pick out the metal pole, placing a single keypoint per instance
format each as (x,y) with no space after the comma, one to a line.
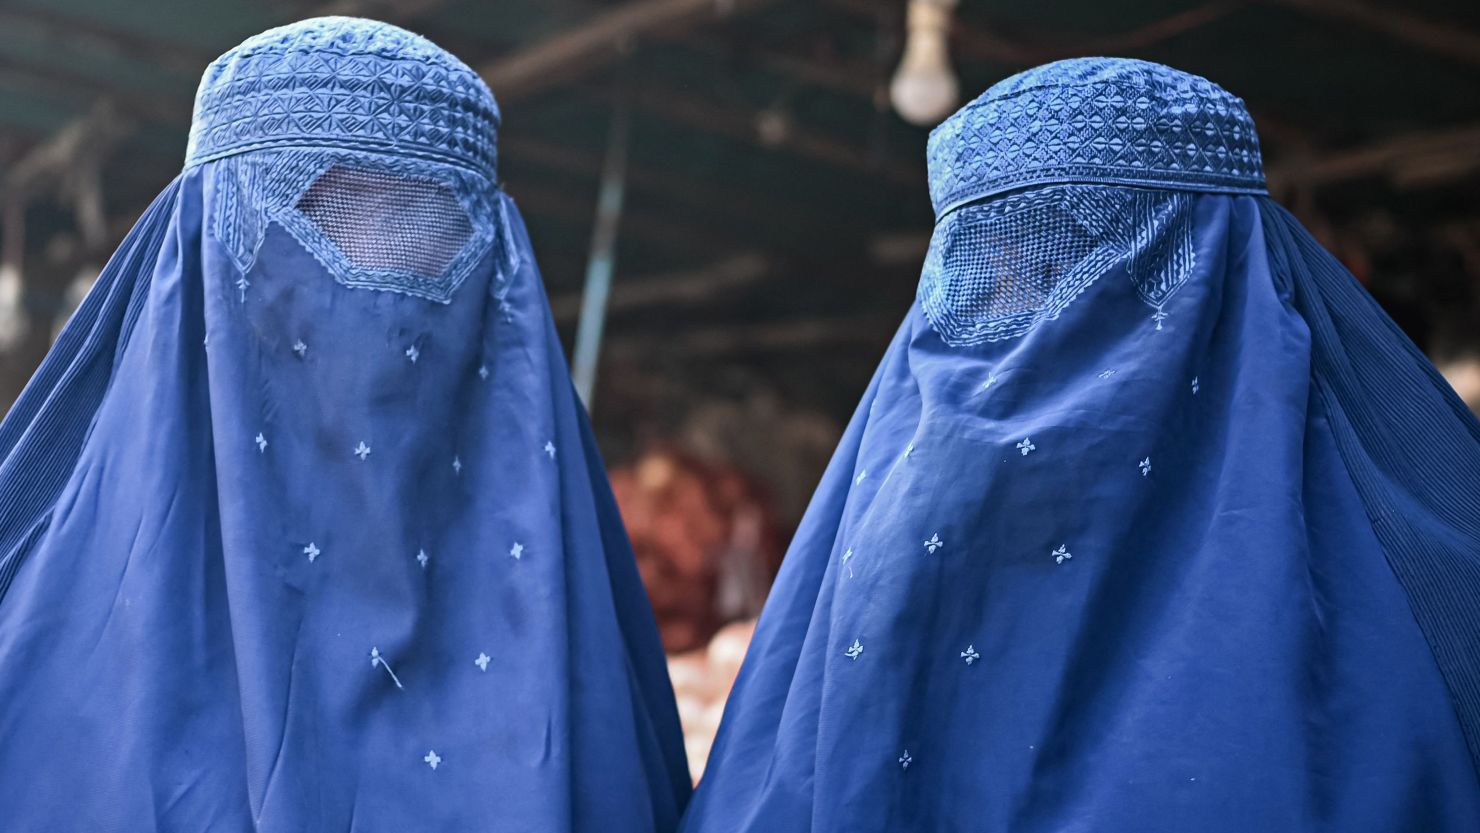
(603,261)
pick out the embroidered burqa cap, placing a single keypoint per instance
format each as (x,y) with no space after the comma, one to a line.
(1149,520)
(302,527)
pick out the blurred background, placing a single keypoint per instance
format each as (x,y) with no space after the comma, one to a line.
(727,199)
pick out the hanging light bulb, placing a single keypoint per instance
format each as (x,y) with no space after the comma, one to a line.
(924,88)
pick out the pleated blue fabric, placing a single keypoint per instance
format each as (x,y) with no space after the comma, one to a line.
(302,527)
(1150,519)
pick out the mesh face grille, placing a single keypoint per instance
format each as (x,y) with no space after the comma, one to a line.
(1006,264)
(995,269)
(383,221)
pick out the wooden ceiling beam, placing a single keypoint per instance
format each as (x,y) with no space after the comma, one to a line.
(581,50)
(80,35)
(1441,38)
(84,91)
(1017,48)
(676,188)
(390,11)
(702,284)
(703,114)
(1410,160)
(580,210)
(1012,45)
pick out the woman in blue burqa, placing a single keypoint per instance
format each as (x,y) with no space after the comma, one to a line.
(302,527)
(1150,519)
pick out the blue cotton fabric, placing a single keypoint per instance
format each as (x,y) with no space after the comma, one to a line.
(322,543)
(1167,530)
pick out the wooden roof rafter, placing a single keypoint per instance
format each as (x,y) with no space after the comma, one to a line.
(575,53)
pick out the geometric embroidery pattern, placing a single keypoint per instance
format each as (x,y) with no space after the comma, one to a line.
(1107,120)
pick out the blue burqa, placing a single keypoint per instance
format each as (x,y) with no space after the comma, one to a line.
(301,525)
(1149,522)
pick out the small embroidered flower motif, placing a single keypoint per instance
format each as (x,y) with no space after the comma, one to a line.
(413,353)
(482,661)
(362,451)
(300,348)
(1194,386)
(261,442)
(1106,374)
(311,551)
(432,759)
(456,465)
(847,556)
(1061,554)
(934,543)
(1145,466)
(905,760)
(483,372)
(377,659)
(242,283)
(516,552)
(550,449)
(1026,445)
(909,449)
(1158,318)
(970,654)
(863,475)
(422,558)
(991,380)
(854,650)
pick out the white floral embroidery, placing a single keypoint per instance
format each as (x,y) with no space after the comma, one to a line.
(413,353)
(1106,374)
(311,551)
(1194,386)
(261,442)
(422,558)
(848,556)
(300,348)
(905,760)
(550,449)
(991,380)
(483,372)
(1061,554)
(432,759)
(1145,466)
(854,650)
(909,449)
(242,283)
(933,543)
(1026,445)
(517,551)
(970,654)
(377,659)
(362,451)
(482,661)
(1159,317)
(863,475)
(456,465)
